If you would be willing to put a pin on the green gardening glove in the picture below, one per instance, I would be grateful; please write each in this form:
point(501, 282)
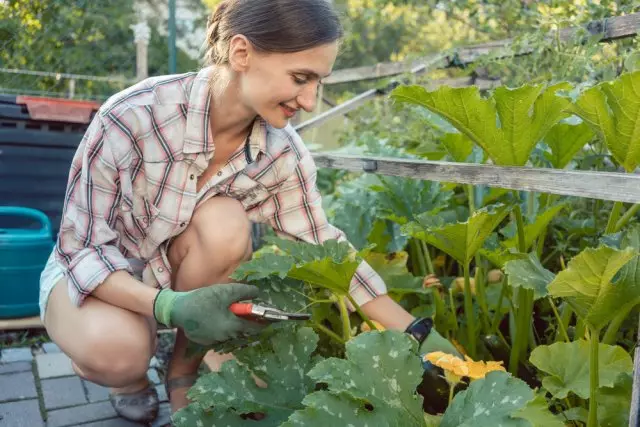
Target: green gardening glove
point(436, 342)
point(204, 313)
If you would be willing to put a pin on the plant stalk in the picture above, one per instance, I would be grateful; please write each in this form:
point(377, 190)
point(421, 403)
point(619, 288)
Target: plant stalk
point(422, 267)
point(361, 313)
point(337, 338)
point(344, 318)
point(612, 331)
point(560, 321)
point(468, 310)
point(593, 379)
point(497, 315)
point(427, 257)
point(613, 217)
point(628, 215)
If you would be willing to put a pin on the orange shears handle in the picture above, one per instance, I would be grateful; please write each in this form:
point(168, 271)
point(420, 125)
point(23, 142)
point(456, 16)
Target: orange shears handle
point(241, 308)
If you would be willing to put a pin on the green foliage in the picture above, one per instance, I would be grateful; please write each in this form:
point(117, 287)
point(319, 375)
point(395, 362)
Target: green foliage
point(355, 396)
point(567, 367)
point(565, 141)
point(488, 402)
point(611, 109)
point(507, 125)
point(587, 284)
point(529, 274)
point(282, 363)
point(460, 240)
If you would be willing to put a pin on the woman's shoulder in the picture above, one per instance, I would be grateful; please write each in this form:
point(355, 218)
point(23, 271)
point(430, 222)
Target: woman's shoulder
point(153, 91)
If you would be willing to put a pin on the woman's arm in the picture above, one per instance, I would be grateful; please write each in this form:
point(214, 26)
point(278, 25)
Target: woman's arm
point(123, 290)
point(87, 243)
point(388, 313)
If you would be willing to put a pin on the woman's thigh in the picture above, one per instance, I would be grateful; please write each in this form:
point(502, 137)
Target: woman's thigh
point(99, 336)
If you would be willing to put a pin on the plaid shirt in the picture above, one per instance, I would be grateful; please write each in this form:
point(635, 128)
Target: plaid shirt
point(132, 185)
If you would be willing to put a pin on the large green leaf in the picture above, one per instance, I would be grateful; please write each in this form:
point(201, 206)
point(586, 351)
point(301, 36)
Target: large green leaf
point(565, 140)
point(529, 274)
point(402, 199)
point(375, 385)
point(567, 366)
point(460, 240)
point(489, 402)
point(533, 231)
point(282, 363)
point(393, 270)
point(612, 109)
point(538, 414)
point(458, 145)
point(330, 265)
point(586, 284)
point(614, 403)
point(507, 126)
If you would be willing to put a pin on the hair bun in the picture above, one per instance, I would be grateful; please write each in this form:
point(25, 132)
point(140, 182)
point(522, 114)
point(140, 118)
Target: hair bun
point(213, 31)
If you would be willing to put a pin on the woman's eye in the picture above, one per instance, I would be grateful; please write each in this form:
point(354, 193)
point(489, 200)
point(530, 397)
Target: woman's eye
point(299, 80)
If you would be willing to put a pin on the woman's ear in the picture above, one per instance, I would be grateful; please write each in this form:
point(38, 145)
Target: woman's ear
point(240, 50)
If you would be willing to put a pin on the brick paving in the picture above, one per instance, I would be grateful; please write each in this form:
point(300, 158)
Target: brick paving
point(41, 390)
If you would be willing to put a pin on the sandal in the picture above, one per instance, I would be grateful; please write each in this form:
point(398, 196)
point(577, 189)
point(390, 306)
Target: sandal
point(140, 406)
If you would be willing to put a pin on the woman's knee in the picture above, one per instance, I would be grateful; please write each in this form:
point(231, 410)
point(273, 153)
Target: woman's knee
point(221, 227)
point(115, 356)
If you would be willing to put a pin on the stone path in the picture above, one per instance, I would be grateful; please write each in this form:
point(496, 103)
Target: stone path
point(41, 390)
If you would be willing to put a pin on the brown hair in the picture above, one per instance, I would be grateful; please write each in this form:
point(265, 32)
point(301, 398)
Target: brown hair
point(271, 26)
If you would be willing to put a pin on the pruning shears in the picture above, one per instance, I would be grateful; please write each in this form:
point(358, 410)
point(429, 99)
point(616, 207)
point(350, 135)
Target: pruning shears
point(246, 309)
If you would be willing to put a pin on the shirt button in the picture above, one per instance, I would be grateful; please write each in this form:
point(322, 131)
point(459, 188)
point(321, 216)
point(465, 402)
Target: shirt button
point(192, 177)
point(182, 224)
point(219, 173)
point(160, 270)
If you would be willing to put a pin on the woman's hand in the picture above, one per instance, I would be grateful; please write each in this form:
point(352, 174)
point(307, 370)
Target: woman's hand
point(204, 313)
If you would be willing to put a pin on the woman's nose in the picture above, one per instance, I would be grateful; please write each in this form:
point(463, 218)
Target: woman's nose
point(308, 97)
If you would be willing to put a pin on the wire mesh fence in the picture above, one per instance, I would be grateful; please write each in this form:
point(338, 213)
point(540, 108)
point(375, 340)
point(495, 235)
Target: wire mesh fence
point(87, 49)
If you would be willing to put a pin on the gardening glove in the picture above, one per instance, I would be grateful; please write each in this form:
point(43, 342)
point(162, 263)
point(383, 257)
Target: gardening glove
point(430, 340)
point(204, 313)
point(436, 342)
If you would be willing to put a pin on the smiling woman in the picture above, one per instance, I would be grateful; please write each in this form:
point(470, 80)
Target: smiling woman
point(162, 193)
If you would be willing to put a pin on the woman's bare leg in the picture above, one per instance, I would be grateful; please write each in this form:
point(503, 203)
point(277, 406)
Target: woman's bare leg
point(216, 241)
point(108, 345)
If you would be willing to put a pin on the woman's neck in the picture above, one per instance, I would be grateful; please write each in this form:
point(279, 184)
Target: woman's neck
point(229, 117)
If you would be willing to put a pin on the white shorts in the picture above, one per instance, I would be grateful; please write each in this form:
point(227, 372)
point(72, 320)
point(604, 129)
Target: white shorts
point(52, 274)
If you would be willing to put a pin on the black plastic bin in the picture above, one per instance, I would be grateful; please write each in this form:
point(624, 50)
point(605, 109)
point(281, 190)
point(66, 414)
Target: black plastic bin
point(38, 138)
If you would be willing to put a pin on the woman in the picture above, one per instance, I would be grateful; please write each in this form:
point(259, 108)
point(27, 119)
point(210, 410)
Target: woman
point(162, 191)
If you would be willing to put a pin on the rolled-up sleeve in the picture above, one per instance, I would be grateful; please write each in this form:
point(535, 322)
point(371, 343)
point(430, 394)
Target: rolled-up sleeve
point(298, 212)
point(86, 246)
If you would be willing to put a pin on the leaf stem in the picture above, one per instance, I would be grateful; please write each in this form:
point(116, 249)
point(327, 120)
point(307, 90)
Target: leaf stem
point(593, 379)
point(497, 315)
point(612, 331)
point(468, 311)
point(422, 268)
point(329, 333)
point(630, 213)
point(560, 322)
point(613, 217)
point(427, 257)
point(522, 246)
point(344, 317)
point(361, 313)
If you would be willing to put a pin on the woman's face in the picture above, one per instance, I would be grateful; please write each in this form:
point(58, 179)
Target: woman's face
point(276, 85)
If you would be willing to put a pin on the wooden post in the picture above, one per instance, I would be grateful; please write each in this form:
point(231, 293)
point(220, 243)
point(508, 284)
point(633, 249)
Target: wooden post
point(142, 34)
point(634, 416)
point(72, 88)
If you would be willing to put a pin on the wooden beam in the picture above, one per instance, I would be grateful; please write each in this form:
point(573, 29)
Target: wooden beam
point(22, 323)
point(598, 185)
point(610, 28)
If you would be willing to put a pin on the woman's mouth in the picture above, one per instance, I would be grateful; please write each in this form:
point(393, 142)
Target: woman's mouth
point(288, 112)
